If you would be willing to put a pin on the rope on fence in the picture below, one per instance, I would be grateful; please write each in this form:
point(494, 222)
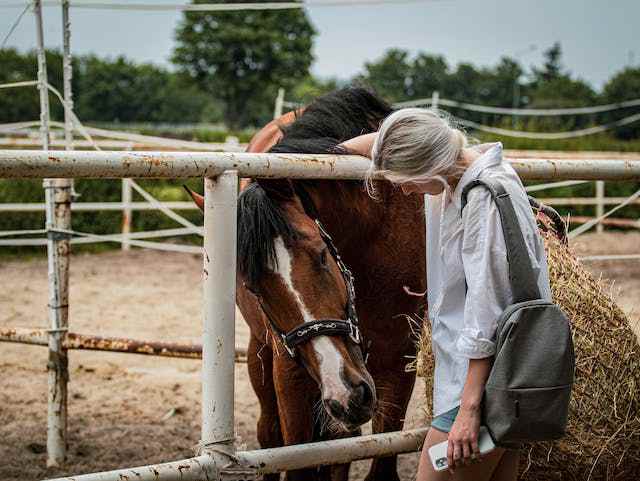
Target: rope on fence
point(25, 83)
point(13, 126)
point(585, 227)
point(551, 185)
point(89, 238)
point(11, 233)
point(168, 212)
point(15, 24)
point(550, 135)
point(520, 112)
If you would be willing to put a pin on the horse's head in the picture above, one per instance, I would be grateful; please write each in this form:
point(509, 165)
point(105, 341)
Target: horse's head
point(290, 265)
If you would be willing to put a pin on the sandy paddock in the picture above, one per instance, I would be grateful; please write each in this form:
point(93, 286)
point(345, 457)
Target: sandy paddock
point(127, 410)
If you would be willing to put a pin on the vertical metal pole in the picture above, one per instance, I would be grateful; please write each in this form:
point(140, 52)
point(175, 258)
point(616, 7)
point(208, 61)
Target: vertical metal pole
point(126, 214)
point(218, 341)
point(599, 204)
point(67, 75)
point(435, 100)
point(277, 111)
point(58, 215)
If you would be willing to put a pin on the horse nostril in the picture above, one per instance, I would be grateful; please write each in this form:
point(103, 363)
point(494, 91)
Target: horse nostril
point(334, 407)
point(362, 395)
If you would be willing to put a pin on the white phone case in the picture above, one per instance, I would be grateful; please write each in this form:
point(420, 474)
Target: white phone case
point(438, 452)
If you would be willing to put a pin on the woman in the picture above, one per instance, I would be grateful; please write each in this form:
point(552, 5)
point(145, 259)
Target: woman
point(467, 272)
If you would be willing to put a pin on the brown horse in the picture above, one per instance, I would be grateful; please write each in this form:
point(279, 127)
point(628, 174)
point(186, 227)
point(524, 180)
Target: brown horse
point(382, 242)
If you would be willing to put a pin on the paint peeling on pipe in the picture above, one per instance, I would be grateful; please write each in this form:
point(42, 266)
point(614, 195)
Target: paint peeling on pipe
point(89, 164)
point(200, 468)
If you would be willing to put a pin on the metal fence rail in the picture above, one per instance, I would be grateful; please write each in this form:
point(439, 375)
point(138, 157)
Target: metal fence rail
point(111, 165)
point(218, 458)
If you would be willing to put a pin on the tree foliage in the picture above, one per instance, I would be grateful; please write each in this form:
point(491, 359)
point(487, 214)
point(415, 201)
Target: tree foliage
point(242, 58)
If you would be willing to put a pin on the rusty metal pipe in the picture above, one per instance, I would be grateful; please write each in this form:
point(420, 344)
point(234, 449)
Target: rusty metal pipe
point(247, 464)
point(110, 164)
point(337, 451)
point(40, 337)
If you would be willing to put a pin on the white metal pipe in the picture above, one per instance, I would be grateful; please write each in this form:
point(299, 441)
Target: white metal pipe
point(126, 214)
point(277, 110)
point(599, 204)
point(110, 164)
point(67, 74)
point(193, 469)
point(97, 206)
point(57, 199)
point(337, 451)
point(274, 460)
point(218, 338)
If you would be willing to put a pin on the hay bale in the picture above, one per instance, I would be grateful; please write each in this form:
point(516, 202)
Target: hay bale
point(603, 434)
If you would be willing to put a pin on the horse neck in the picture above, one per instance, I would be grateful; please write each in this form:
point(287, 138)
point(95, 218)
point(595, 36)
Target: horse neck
point(355, 220)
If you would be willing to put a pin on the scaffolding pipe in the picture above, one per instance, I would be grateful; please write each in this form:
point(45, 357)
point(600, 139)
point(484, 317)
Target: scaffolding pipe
point(115, 164)
point(218, 337)
point(58, 216)
point(337, 451)
point(273, 460)
point(73, 340)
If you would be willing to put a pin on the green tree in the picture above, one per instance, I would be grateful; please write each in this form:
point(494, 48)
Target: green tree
point(312, 87)
point(241, 58)
point(23, 103)
point(389, 76)
point(428, 73)
point(625, 85)
point(552, 67)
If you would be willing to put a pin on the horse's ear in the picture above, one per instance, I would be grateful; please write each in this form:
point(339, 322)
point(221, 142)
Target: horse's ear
point(277, 188)
point(197, 198)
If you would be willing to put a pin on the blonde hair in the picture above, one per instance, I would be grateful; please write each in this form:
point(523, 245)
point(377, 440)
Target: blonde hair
point(416, 144)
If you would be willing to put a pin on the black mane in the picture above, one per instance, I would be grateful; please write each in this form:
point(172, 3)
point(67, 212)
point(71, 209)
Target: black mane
point(260, 222)
point(330, 120)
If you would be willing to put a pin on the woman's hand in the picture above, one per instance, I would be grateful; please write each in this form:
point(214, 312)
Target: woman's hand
point(463, 438)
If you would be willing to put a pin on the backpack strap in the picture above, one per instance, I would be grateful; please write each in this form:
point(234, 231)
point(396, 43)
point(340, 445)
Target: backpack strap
point(524, 284)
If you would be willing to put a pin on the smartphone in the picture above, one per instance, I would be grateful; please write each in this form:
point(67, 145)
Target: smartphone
point(438, 452)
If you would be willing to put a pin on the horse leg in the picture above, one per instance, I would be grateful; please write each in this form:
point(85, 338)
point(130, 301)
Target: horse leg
point(260, 364)
point(297, 394)
point(393, 399)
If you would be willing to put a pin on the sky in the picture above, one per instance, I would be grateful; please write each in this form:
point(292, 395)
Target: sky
point(598, 37)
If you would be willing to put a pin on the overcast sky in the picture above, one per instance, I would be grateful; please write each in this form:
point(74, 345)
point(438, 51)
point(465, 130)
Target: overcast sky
point(598, 37)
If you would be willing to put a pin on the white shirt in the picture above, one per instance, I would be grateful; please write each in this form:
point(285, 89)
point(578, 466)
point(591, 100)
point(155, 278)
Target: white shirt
point(471, 247)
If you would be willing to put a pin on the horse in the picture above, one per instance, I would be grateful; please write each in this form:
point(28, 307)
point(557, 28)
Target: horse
point(295, 238)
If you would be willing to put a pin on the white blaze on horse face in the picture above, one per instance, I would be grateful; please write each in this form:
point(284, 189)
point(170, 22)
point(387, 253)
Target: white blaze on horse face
point(329, 358)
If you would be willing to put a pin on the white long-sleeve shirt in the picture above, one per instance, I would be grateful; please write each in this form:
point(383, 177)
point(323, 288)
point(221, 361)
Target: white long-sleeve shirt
point(470, 246)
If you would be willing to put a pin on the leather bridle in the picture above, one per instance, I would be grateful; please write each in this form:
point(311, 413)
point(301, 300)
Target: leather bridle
point(323, 327)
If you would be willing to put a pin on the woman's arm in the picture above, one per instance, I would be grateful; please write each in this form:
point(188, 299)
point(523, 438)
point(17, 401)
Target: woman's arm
point(361, 145)
point(463, 438)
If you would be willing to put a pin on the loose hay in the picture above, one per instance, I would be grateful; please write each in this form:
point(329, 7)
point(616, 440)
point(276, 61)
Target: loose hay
point(603, 432)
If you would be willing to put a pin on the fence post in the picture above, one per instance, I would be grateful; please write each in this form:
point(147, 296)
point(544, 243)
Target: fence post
point(218, 340)
point(277, 111)
point(599, 204)
point(58, 216)
point(126, 214)
point(435, 100)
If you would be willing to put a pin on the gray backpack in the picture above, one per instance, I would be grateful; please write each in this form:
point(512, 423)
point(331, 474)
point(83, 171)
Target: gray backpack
point(527, 394)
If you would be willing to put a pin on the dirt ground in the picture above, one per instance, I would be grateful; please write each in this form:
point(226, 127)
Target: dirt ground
point(127, 410)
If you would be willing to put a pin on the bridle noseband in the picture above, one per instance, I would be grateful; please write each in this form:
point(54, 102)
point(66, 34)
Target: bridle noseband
point(323, 327)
